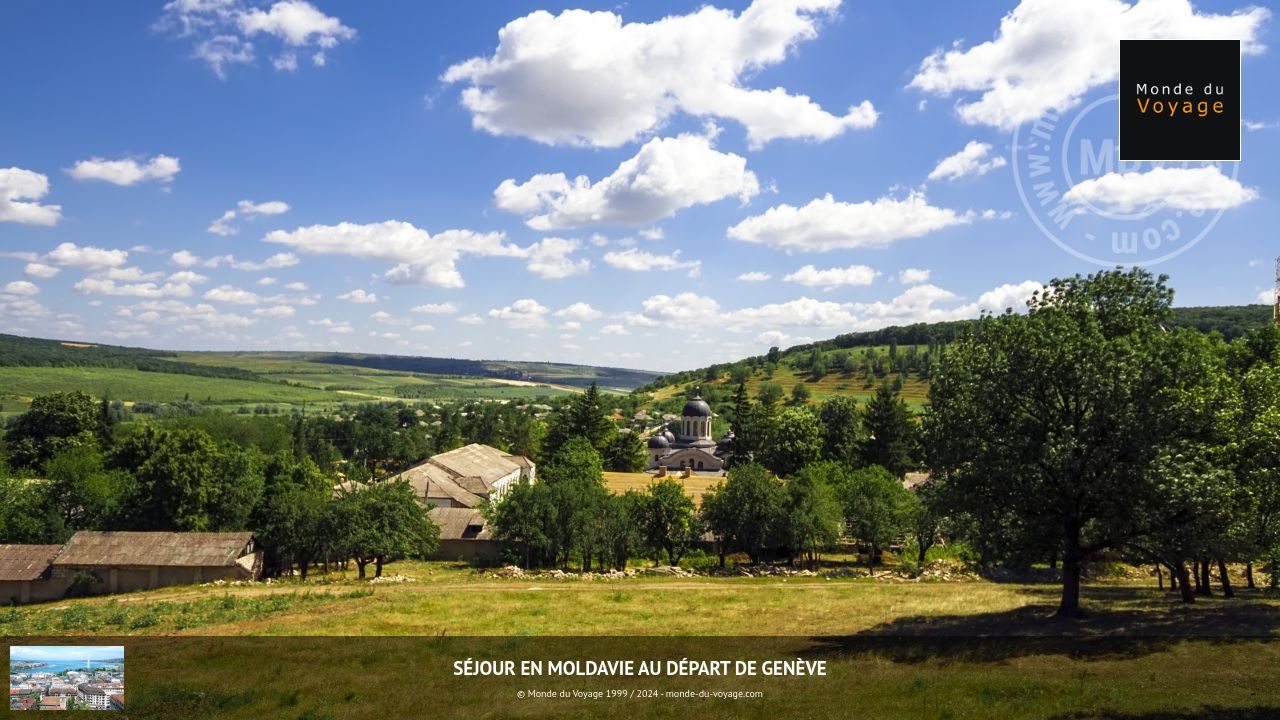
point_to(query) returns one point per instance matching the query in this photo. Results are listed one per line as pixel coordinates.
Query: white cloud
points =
(687, 307)
(471, 320)
(525, 314)
(1010, 296)
(653, 233)
(23, 288)
(275, 311)
(636, 260)
(1266, 297)
(754, 276)
(332, 326)
(549, 258)
(71, 255)
(832, 278)
(579, 311)
(234, 295)
(127, 171)
(421, 257)
(614, 330)
(1255, 125)
(825, 224)
(20, 191)
(246, 209)
(222, 30)
(128, 274)
(1047, 54)
(586, 78)
(913, 276)
(40, 270)
(267, 281)
(1204, 188)
(665, 176)
(424, 327)
(96, 285)
(296, 286)
(446, 308)
(770, 338)
(359, 295)
(974, 159)
(188, 277)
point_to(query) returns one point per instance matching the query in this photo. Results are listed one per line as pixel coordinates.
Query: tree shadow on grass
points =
(1034, 630)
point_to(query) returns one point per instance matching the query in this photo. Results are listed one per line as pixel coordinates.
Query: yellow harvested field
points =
(694, 485)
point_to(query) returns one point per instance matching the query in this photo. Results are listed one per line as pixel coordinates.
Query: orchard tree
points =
(668, 520)
(876, 507)
(383, 522)
(1046, 425)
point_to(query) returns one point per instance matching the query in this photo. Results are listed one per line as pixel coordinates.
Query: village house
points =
(124, 561)
(25, 571)
(467, 476)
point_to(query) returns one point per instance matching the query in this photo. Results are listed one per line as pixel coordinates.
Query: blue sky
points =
(638, 185)
(66, 653)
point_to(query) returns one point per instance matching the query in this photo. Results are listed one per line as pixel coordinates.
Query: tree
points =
(812, 517)
(799, 395)
(53, 421)
(768, 394)
(81, 490)
(842, 430)
(1047, 425)
(817, 364)
(575, 483)
(625, 452)
(668, 520)
(876, 507)
(525, 519)
(891, 433)
(745, 511)
(774, 356)
(794, 442)
(288, 520)
(583, 417)
(383, 522)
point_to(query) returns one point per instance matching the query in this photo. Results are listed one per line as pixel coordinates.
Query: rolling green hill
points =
(234, 380)
(855, 364)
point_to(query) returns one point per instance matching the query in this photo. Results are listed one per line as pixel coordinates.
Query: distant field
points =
(21, 383)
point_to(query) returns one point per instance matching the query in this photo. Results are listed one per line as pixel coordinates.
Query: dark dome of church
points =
(659, 441)
(670, 436)
(697, 407)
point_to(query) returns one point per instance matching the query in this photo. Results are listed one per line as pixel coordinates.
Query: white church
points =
(692, 447)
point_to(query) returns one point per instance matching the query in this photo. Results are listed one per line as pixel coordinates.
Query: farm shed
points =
(25, 571)
(124, 561)
(467, 476)
(463, 535)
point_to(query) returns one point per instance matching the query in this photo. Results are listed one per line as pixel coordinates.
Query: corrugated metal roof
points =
(454, 522)
(91, 548)
(476, 460)
(26, 562)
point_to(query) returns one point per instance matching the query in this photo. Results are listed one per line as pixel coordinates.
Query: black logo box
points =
(1187, 69)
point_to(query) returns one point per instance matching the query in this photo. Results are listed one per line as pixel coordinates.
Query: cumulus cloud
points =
(913, 276)
(665, 176)
(614, 330)
(275, 311)
(549, 258)
(472, 319)
(99, 285)
(687, 307)
(246, 209)
(20, 192)
(333, 326)
(184, 258)
(754, 276)
(420, 256)
(636, 260)
(89, 257)
(588, 78)
(827, 224)
(1266, 297)
(1203, 188)
(40, 270)
(974, 160)
(832, 278)
(579, 311)
(1047, 54)
(199, 316)
(223, 31)
(359, 295)
(128, 171)
(24, 288)
(233, 295)
(526, 314)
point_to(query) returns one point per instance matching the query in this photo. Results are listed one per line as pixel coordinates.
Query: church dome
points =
(670, 436)
(697, 407)
(659, 441)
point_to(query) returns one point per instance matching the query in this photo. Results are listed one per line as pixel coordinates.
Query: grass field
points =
(972, 649)
(694, 485)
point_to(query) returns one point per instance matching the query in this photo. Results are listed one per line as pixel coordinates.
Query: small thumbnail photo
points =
(66, 677)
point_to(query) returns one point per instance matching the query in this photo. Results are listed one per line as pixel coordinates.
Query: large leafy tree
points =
(53, 421)
(843, 434)
(625, 452)
(745, 511)
(668, 520)
(288, 520)
(876, 507)
(794, 441)
(1046, 425)
(81, 490)
(812, 517)
(383, 522)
